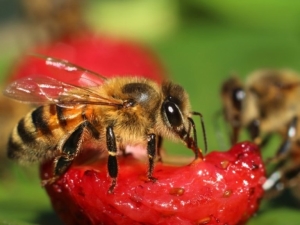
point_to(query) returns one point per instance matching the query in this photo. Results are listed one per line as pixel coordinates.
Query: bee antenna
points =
(218, 130)
(203, 130)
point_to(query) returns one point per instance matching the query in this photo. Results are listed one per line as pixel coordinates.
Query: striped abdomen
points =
(38, 135)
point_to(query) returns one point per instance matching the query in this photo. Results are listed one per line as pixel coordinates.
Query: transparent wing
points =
(41, 90)
(71, 73)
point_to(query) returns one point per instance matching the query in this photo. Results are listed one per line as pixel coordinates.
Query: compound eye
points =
(238, 96)
(173, 114)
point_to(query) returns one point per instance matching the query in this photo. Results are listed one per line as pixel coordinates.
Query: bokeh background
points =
(200, 43)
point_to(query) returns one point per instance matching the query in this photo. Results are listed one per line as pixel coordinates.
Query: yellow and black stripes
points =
(40, 120)
(22, 132)
(62, 119)
(23, 139)
(41, 130)
(14, 147)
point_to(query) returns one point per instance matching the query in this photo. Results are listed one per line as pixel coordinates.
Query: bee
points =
(268, 103)
(115, 113)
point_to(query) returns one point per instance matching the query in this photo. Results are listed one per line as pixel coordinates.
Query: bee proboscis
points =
(115, 112)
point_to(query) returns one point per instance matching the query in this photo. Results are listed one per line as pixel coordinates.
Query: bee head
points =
(233, 97)
(175, 110)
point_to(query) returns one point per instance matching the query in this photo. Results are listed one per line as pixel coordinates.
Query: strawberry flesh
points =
(223, 188)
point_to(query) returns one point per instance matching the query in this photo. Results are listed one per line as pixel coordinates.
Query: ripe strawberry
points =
(104, 55)
(223, 188)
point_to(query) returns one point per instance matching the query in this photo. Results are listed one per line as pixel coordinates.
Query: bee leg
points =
(234, 137)
(192, 143)
(275, 178)
(291, 175)
(286, 145)
(291, 133)
(70, 150)
(60, 165)
(254, 131)
(112, 164)
(266, 139)
(281, 179)
(273, 183)
(159, 146)
(197, 150)
(281, 153)
(151, 150)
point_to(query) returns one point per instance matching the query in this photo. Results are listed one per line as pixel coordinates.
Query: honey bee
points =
(116, 113)
(268, 103)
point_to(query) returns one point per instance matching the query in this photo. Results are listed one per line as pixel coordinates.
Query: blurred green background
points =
(200, 43)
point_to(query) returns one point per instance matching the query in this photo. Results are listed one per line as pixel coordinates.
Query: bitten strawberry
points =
(223, 188)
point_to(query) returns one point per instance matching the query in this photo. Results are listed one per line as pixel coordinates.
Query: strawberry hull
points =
(224, 188)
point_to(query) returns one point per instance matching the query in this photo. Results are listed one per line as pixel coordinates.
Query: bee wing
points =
(41, 90)
(71, 73)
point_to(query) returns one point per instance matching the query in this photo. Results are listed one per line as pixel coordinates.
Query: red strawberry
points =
(104, 55)
(223, 188)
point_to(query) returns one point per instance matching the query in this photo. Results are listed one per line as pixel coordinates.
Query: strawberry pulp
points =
(223, 188)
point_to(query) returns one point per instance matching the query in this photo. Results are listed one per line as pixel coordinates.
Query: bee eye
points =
(172, 113)
(238, 96)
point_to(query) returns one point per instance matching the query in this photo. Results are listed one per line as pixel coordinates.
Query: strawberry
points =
(105, 55)
(223, 188)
